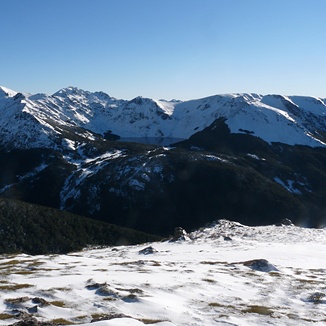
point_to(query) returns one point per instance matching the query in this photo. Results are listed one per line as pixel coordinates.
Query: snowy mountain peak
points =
(274, 118)
(70, 90)
(310, 104)
(6, 92)
(170, 101)
(79, 95)
(139, 100)
(103, 95)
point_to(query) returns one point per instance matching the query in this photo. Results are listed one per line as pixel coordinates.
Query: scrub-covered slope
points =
(36, 229)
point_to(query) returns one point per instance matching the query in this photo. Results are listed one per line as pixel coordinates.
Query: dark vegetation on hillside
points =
(300, 167)
(36, 229)
(201, 190)
(212, 175)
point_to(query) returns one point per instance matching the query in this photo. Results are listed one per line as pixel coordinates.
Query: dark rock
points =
(30, 321)
(102, 289)
(40, 301)
(94, 285)
(261, 265)
(32, 310)
(106, 291)
(19, 314)
(317, 297)
(179, 234)
(147, 251)
(227, 239)
(130, 298)
(285, 221)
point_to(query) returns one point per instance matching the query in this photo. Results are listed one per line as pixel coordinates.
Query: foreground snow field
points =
(225, 274)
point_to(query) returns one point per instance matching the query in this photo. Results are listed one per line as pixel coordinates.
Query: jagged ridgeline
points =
(245, 157)
(35, 229)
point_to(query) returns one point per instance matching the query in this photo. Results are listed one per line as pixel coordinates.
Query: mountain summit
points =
(6, 92)
(50, 121)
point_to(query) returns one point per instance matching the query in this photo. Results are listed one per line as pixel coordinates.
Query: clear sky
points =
(168, 49)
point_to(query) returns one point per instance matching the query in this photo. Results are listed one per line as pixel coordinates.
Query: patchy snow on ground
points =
(225, 274)
(289, 185)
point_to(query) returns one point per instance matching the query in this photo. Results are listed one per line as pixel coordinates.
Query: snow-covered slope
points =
(225, 274)
(268, 117)
(41, 120)
(6, 92)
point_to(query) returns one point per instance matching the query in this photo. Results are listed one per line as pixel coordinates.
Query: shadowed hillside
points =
(36, 229)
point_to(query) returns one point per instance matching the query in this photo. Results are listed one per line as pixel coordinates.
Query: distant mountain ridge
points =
(71, 115)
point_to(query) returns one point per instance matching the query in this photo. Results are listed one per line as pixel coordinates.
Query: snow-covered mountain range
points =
(241, 157)
(42, 120)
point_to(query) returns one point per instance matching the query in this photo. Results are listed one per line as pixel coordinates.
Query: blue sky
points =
(164, 48)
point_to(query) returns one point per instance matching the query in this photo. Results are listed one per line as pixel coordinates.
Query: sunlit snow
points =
(274, 118)
(226, 274)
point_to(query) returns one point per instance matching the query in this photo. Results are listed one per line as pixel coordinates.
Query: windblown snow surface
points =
(225, 274)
